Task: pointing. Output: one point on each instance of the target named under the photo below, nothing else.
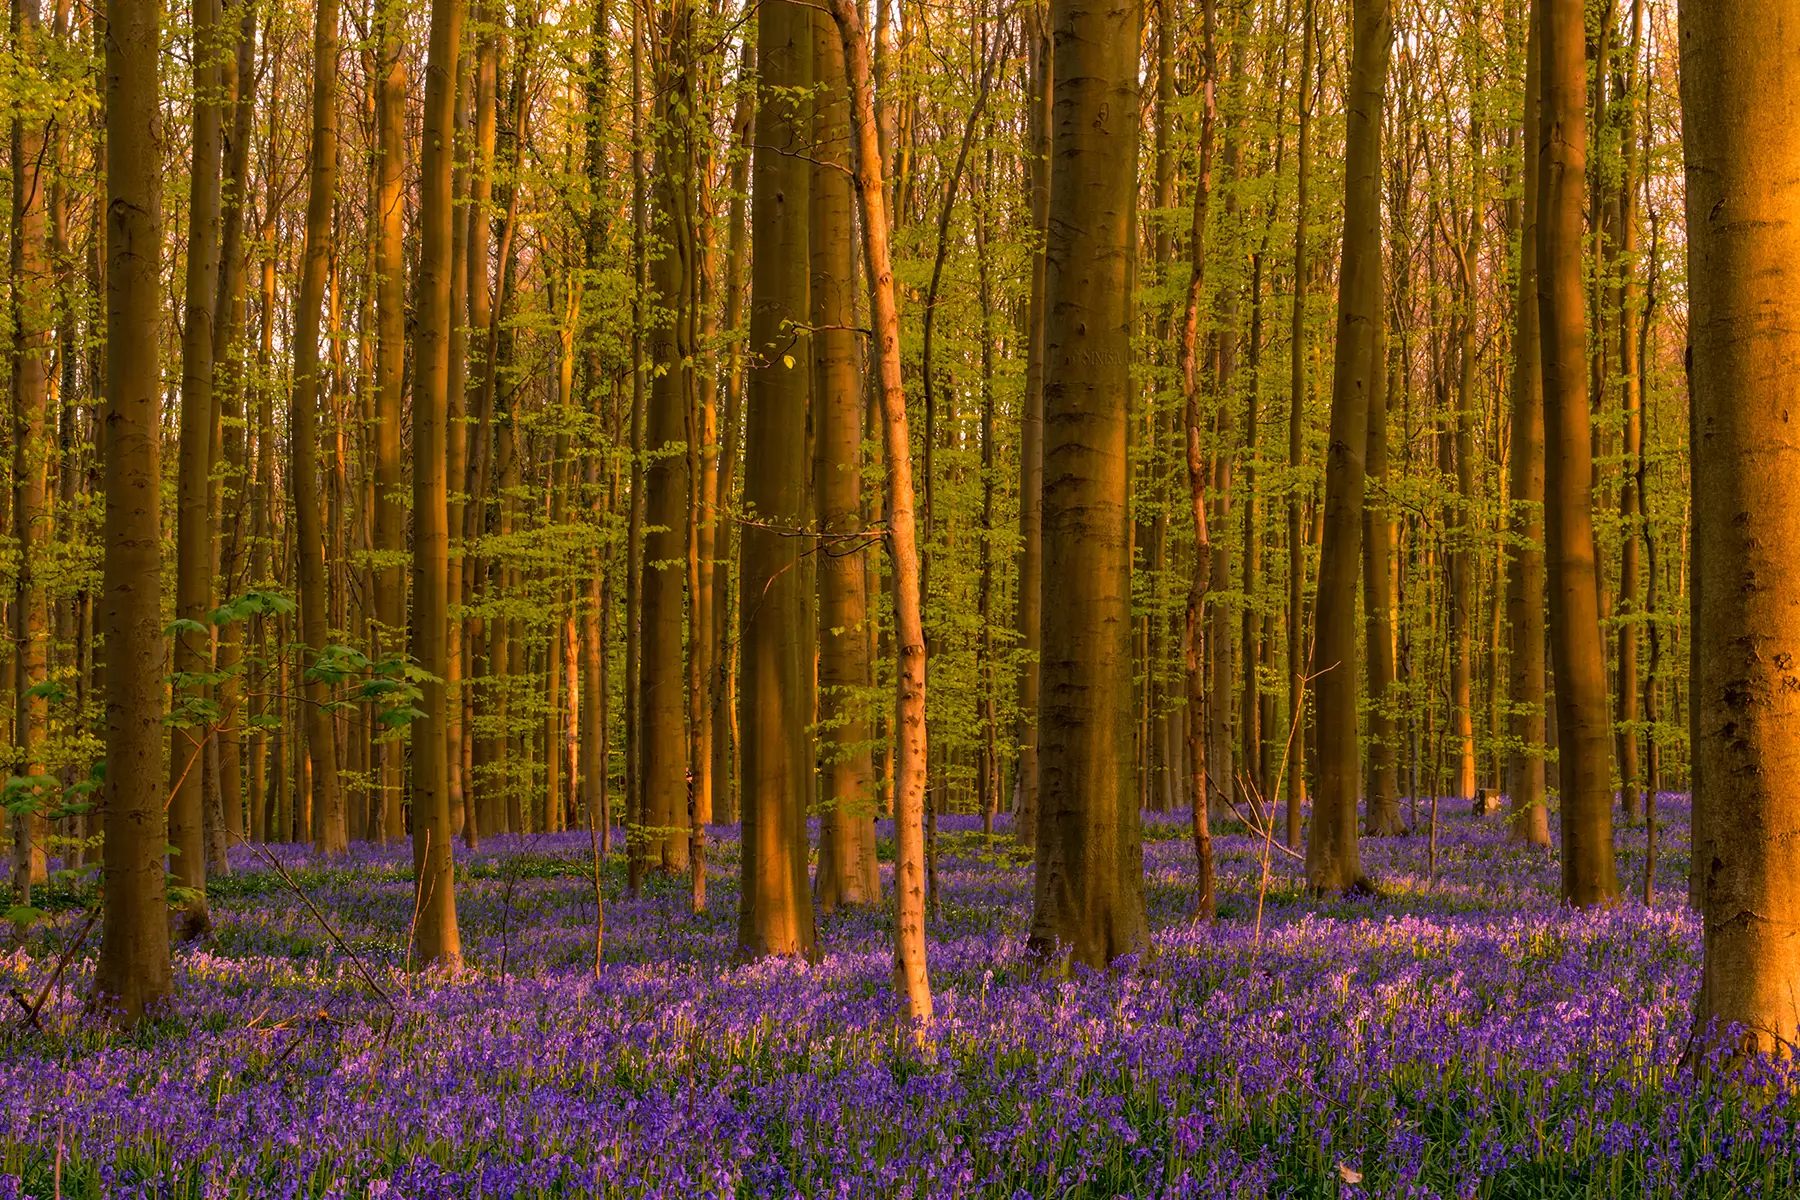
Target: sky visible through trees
(675, 597)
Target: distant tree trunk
(1188, 352)
(719, 670)
(848, 872)
(634, 532)
(661, 697)
(1740, 68)
(594, 760)
(775, 694)
(910, 975)
(132, 973)
(1333, 858)
(1629, 610)
(482, 818)
(460, 788)
(1382, 790)
(329, 832)
(229, 516)
(1577, 651)
(1089, 893)
(1296, 625)
(390, 363)
(1461, 526)
(33, 300)
(1525, 567)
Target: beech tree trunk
(435, 936)
(1525, 597)
(1577, 651)
(1740, 68)
(1382, 789)
(33, 298)
(1333, 858)
(1089, 897)
(132, 973)
(662, 698)
(848, 872)
(910, 974)
(775, 682)
(390, 359)
(1298, 659)
(330, 834)
(1031, 437)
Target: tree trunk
(776, 672)
(1628, 611)
(1739, 63)
(230, 516)
(661, 696)
(390, 362)
(1578, 654)
(1382, 790)
(848, 872)
(1298, 659)
(1031, 438)
(133, 973)
(1333, 858)
(436, 940)
(910, 975)
(329, 833)
(1089, 894)
(1525, 568)
(33, 299)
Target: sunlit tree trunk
(1631, 502)
(1089, 898)
(1740, 69)
(1525, 596)
(435, 936)
(329, 832)
(33, 298)
(1577, 652)
(1382, 789)
(390, 359)
(661, 697)
(1297, 656)
(848, 873)
(775, 682)
(1333, 858)
(910, 974)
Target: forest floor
(1456, 1036)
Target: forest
(940, 598)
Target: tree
(386, 818)
(1739, 65)
(435, 938)
(1525, 565)
(329, 832)
(1333, 858)
(775, 914)
(1088, 896)
(910, 969)
(193, 732)
(661, 692)
(848, 872)
(1578, 654)
(32, 298)
(132, 974)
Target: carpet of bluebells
(1457, 1035)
